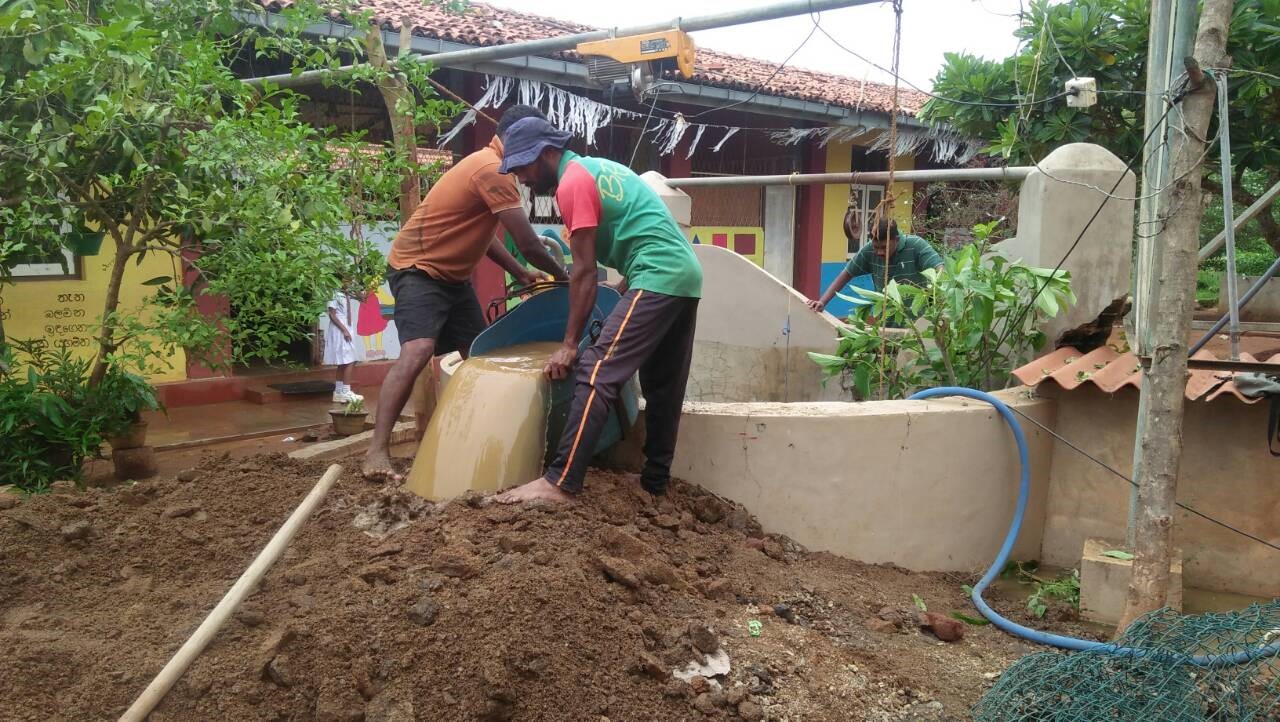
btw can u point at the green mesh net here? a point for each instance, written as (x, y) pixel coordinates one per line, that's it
(1163, 685)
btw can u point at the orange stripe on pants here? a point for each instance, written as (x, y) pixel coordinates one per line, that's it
(592, 397)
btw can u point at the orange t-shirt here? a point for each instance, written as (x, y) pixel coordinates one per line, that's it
(451, 229)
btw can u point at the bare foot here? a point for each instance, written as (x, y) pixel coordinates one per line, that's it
(538, 489)
(378, 467)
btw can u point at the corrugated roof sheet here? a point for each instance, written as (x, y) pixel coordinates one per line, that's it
(1111, 371)
(484, 25)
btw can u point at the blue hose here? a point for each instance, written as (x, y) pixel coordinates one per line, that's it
(1058, 640)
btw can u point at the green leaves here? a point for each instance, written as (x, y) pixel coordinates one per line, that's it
(1118, 554)
(971, 326)
(975, 621)
(136, 101)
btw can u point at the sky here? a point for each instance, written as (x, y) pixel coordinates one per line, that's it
(929, 29)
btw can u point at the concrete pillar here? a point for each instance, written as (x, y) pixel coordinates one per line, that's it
(779, 231)
(1055, 203)
(807, 260)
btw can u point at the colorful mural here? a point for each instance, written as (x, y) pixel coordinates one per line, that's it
(746, 241)
(377, 332)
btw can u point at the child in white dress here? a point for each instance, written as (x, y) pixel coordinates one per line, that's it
(339, 345)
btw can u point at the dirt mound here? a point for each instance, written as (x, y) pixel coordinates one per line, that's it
(621, 607)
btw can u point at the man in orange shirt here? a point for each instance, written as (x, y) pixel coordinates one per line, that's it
(430, 267)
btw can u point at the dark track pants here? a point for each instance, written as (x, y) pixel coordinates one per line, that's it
(649, 333)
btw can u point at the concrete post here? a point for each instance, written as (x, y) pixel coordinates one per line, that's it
(1056, 201)
(780, 231)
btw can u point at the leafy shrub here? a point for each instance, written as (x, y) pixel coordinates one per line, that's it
(971, 326)
(48, 417)
(1248, 263)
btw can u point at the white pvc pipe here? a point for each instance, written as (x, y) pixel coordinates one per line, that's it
(205, 633)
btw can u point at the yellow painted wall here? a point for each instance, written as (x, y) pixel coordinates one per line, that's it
(902, 194)
(704, 235)
(836, 201)
(67, 310)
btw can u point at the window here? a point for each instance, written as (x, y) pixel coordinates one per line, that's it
(863, 200)
(53, 265)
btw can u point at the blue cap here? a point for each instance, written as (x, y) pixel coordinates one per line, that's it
(525, 141)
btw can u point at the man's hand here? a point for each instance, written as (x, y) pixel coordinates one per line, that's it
(529, 278)
(560, 365)
(347, 335)
(818, 306)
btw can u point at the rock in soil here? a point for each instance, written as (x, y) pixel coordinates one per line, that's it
(424, 613)
(704, 640)
(181, 510)
(619, 570)
(883, 626)
(942, 626)
(650, 665)
(750, 711)
(704, 704)
(187, 476)
(76, 531)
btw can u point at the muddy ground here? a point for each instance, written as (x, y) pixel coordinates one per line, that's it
(386, 608)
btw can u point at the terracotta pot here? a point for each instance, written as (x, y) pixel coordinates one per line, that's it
(135, 437)
(135, 463)
(345, 424)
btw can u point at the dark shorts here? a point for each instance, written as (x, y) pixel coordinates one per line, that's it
(430, 308)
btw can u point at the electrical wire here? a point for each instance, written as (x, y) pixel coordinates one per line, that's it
(1048, 26)
(982, 103)
(645, 129)
(768, 80)
(1022, 314)
(1133, 483)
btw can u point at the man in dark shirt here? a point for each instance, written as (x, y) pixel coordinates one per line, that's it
(906, 255)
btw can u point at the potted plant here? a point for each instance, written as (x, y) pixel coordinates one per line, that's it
(121, 398)
(349, 419)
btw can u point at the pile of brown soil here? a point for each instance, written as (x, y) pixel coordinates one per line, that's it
(387, 608)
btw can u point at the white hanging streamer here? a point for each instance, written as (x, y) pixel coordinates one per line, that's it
(584, 117)
(732, 132)
(467, 119)
(694, 145)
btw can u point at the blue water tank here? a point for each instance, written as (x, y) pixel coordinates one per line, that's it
(543, 317)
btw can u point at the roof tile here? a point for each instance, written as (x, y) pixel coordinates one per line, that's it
(484, 25)
(1110, 371)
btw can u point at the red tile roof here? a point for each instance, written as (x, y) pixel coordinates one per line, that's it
(487, 25)
(1111, 371)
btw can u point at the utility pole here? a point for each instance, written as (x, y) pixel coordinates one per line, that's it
(1166, 322)
(1169, 40)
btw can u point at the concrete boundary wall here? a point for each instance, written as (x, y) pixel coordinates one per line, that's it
(754, 336)
(926, 485)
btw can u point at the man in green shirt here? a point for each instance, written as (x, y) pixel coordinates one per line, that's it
(908, 256)
(615, 219)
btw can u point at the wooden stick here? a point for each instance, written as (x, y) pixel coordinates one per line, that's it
(205, 633)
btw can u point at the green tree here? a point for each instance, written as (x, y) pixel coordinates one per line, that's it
(123, 116)
(1107, 40)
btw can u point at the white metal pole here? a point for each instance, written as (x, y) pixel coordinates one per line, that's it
(1264, 201)
(1228, 213)
(803, 179)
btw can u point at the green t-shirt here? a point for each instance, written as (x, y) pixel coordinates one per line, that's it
(913, 256)
(635, 233)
